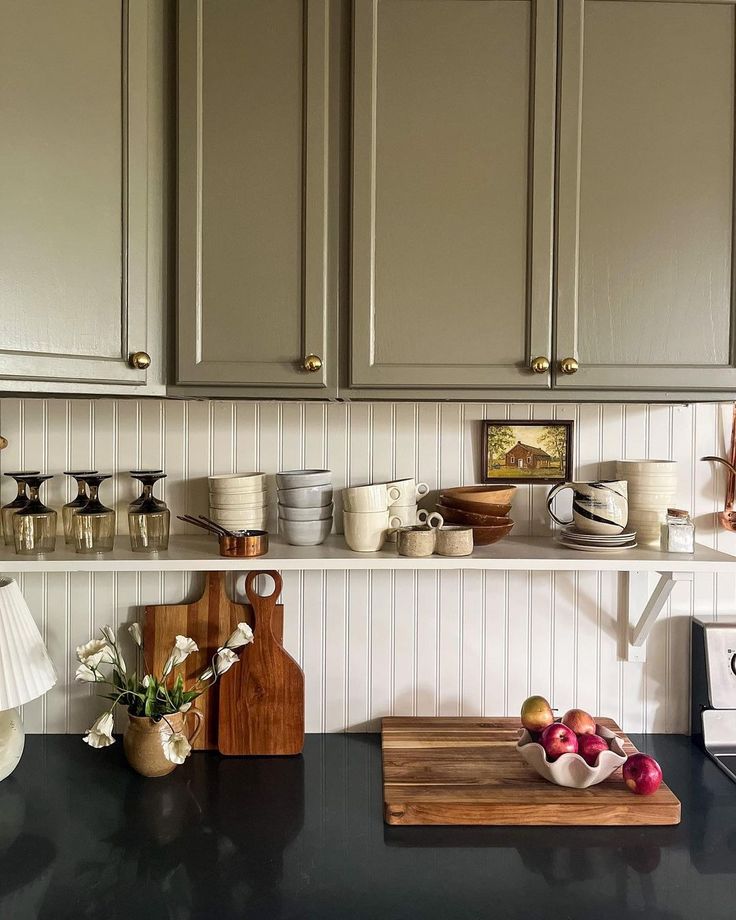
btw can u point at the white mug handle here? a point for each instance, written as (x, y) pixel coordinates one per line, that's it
(432, 519)
(551, 497)
(394, 524)
(393, 493)
(422, 489)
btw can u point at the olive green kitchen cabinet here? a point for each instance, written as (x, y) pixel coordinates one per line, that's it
(256, 305)
(80, 242)
(645, 297)
(452, 208)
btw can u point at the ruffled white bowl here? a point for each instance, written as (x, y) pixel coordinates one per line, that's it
(570, 769)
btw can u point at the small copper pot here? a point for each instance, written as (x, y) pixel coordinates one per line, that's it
(252, 543)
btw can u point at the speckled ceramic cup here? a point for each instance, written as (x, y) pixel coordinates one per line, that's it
(454, 541)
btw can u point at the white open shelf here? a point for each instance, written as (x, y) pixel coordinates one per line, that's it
(200, 554)
(636, 618)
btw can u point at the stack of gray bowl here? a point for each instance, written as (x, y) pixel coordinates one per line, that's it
(305, 506)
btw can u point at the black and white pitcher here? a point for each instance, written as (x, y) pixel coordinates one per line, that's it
(597, 507)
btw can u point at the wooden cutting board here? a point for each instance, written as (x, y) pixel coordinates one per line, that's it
(262, 697)
(468, 771)
(207, 621)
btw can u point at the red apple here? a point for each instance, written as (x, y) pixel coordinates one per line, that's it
(536, 714)
(590, 746)
(580, 721)
(558, 739)
(642, 774)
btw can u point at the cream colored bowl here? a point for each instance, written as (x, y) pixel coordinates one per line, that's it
(238, 482)
(238, 500)
(570, 769)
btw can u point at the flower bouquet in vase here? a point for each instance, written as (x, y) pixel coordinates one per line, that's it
(159, 735)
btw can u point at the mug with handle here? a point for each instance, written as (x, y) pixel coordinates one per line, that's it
(597, 507)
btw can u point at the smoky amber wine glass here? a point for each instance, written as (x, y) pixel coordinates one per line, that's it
(20, 501)
(70, 508)
(148, 517)
(94, 524)
(34, 526)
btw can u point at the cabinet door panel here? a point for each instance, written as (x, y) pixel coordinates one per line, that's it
(453, 129)
(73, 189)
(646, 194)
(253, 145)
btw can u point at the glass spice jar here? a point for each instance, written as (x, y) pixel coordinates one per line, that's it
(678, 532)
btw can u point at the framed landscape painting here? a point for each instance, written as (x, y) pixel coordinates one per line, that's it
(527, 452)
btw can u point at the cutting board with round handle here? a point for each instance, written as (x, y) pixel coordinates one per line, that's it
(209, 621)
(261, 703)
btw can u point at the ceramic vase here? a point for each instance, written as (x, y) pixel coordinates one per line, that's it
(142, 740)
(652, 489)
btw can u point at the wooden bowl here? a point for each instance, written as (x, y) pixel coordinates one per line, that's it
(458, 516)
(484, 536)
(450, 500)
(495, 495)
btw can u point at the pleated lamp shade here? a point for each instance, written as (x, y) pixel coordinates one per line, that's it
(26, 671)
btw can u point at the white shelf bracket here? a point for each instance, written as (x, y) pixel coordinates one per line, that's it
(641, 608)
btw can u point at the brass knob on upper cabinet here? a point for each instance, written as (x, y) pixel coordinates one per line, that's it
(312, 363)
(140, 360)
(540, 365)
(569, 366)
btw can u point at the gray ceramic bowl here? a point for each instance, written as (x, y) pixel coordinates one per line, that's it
(297, 479)
(305, 514)
(306, 497)
(305, 533)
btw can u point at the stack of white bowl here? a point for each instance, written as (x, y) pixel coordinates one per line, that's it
(239, 501)
(652, 485)
(305, 506)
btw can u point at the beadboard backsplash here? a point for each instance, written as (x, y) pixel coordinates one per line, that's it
(380, 643)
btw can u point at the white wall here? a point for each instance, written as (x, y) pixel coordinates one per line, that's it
(386, 643)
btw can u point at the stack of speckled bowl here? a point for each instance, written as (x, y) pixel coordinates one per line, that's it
(239, 501)
(305, 506)
(484, 508)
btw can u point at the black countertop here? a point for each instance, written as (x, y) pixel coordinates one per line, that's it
(82, 836)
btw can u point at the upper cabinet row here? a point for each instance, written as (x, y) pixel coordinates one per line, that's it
(385, 198)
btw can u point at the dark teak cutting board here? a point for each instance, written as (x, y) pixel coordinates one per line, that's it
(459, 770)
(262, 697)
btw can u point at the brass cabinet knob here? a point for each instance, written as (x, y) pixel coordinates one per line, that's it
(569, 366)
(140, 360)
(312, 363)
(540, 365)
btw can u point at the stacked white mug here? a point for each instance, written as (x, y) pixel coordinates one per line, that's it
(652, 488)
(238, 501)
(372, 512)
(403, 506)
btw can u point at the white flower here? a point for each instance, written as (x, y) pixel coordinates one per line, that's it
(85, 672)
(135, 631)
(93, 652)
(185, 707)
(183, 647)
(242, 636)
(100, 735)
(176, 747)
(109, 634)
(224, 660)
(146, 681)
